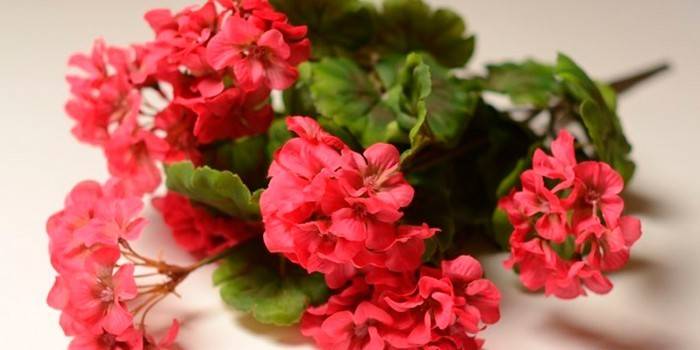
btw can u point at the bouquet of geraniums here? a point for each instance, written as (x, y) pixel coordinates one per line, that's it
(334, 162)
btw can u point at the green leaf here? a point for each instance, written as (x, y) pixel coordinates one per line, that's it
(221, 190)
(414, 87)
(436, 107)
(527, 83)
(432, 204)
(599, 117)
(501, 228)
(566, 249)
(410, 25)
(414, 102)
(251, 281)
(245, 156)
(492, 147)
(333, 25)
(277, 135)
(343, 92)
(297, 100)
(513, 178)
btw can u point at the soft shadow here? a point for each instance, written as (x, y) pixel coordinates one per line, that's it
(645, 339)
(638, 203)
(289, 336)
(654, 274)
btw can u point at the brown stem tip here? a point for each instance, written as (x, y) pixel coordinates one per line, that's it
(623, 84)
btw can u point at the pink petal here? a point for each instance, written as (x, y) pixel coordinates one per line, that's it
(274, 41)
(124, 283)
(444, 315)
(462, 268)
(380, 235)
(382, 156)
(420, 334)
(367, 311)
(59, 295)
(238, 31)
(612, 207)
(280, 75)
(339, 325)
(376, 342)
(484, 295)
(631, 229)
(210, 87)
(117, 319)
(170, 336)
(563, 148)
(345, 224)
(221, 53)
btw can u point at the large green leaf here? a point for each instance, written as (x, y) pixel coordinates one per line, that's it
(599, 117)
(252, 280)
(432, 204)
(490, 157)
(335, 26)
(410, 25)
(221, 190)
(410, 100)
(343, 92)
(527, 83)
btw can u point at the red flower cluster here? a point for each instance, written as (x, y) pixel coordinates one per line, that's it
(210, 70)
(444, 309)
(335, 211)
(568, 223)
(93, 289)
(199, 232)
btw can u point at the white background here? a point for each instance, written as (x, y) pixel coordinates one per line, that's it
(654, 304)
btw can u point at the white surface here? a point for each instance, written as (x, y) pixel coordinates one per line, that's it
(654, 304)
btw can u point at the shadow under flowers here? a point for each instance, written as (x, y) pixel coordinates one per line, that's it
(284, 335)
(644, 339)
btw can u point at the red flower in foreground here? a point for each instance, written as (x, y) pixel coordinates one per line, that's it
(335, 211)
(568, 223)
(232, 114)
(443, 309)
(199, 232)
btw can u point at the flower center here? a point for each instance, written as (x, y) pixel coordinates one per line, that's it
(255, 51)
(591, 196)
(108, 341)
(361, 331)
(107, 295)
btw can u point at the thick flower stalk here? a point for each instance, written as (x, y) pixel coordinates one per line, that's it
(568, 227)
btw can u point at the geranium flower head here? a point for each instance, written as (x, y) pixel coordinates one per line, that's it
(258, 55)
(336, 211)
(578, 232)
